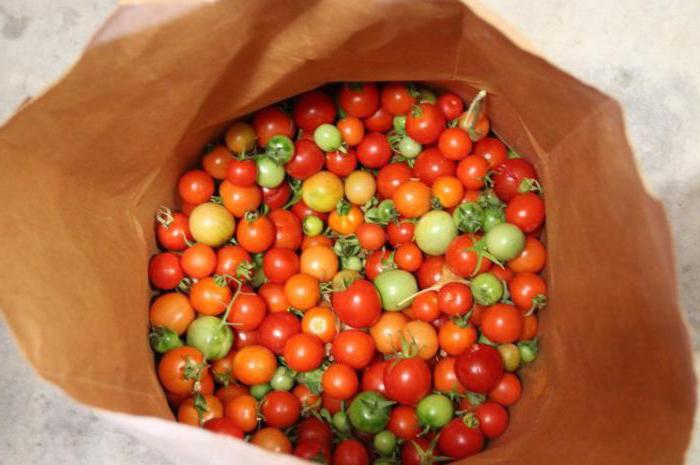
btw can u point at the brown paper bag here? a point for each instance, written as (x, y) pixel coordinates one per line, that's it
(85, 166)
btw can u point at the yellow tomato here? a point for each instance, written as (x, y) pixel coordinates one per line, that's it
(211, 224)
(360, 187)
(322, 191)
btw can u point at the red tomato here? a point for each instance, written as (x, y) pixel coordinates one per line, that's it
(225, 426)
(373, 377)
(408, 257)
(424, 123)
(462, 259)
(417, 452)
(276, 197)
(503, 274)
(507, 391)
(353, 348)
(455, 298)
(371, 236)
(216, 161)
(313, 429)
(313, 451)
(502, 323)
(352, 130)
(374, 151)
(454, 339)
(472, 172)
(198, 261)
(256, 235)
(430, 272)
(526, 211)
(407, 380)
(350, 452)
(245, 339)
(271, 121)
(493, 419)
(173, 233)
(165, 271)
(331, 404)
(454, 143)
(308, 160)
(479, 368)
(359, 305)
(391, 177)
(304, 352)
(403, 422)
(400, 233)
(379, 121)
(301, 210)
(247, 311)
(397, 99)
(339, 381)
(288, 232)
(528, 291)
(229, 258)
(313, 109)
(431, 164)
(174, 367)
(531, 259)
(241, 172)
(451, 105)
(276, 329)
(195, 187)
(492, 150)
(509, 177)
(280, 264)
(273, 295)
(458, 440)
(341, 163)
(359, 99)
(280, 409)
(425, 306)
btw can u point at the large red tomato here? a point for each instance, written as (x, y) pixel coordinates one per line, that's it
(407, 380)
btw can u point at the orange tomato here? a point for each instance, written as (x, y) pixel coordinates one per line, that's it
(215, 162)
(310, 241)
(272, 439)
(319, 261)
(239, 200)
(531, 259)
(445, 378)
(254, 365)
(303, 291)
(423, 335)
(173, 311)
(173, 367)
(187, 412)
(352, 130)
(227, 393)
(455, 340)
(222, 369)
(412, 199)
(321, 322)
(529, 328)
(448, 190)
(340, 381)
(387, 331)
(345, 219)
(274, 297)
(243, 410)
(209, 297)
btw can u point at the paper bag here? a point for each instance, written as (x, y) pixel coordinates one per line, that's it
(85, 166)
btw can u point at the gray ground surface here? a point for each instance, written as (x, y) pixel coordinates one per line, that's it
(646, 54)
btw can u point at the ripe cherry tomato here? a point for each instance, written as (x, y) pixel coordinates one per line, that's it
(454, 143)
(425, 306)
(174, 234)
(280, 264)
(444, 376)
(407, 380)
(352, 130)
(493, 419)
(272, 439)
(273, 295)
(245, 339)
(379, 121)
(340, 381)
(280, 409)
(424, 123)
(526, 211)
(531, 259)
(238, 200)
(529, 328)
(431, 164)
(359, 305)
(229, 258)
(492, 150)
(454, 339)
(347, 222)
(403, 422)
(374, 151)
(276, 329)
(448, 190)
(424, 337)
(390, 177)
(188, 414)
(241, 172)
(271, 121)
(210, 296)
(243, 411)
(179, 369)
(462, 259)
(455, 298)
(341, 163)
(412, 199)
(502, 323)
(302, 291)
(313, 429)
(308, 160)
(472, 172)
(479, 368)
(216, 162)
(165, 271)
(224, 426)
(198, 261)
(396, 98)
(256, 235)
(417, 452)
(304, 352)
(451, 105)
(240, 137)
(371, 236)
(430, 272)
(387, 332)
(173, 311)
(195, 187)
(312, 109)
(254, 364)
(408, 257)
(528, 291)
(319, 261)
(509, 177)
(373, 377)
(400, 233)
(313, 450)
(321, 322)
(276, 197)
(350, 452)
(359, 99)
(288, 232)
(458, 440)
(247, 311)
(227, 393)
(507, 391)
(353, 348)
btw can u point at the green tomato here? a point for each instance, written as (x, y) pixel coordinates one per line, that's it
(492, 216)
(505, 241)
(341, 422)
(260, 390)
(395, 287)
(486, 289)
(258, 277)
(434, 232)
(163, 339)
(511, 356)
(468, 217)
(280, 148)
(369, 412)
(351, 263)
(270, 173)
(281, 380)
(322, 191)
(409, 148)
(385, 442)
(400, 124)
(528, 350)
(435, 410)
(210, 336)
(426, 95)
(484, 340)
(313, 225)
(328, 137)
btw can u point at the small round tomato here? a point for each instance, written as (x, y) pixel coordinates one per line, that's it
(448, 190)
(304, 352)
(256, 235)
(455, 298)
(359, 99)
(479, 368)
(276, 329)
(387, 331)
(272, 121)
(508, 390)
(230, 258)
(359, 305)
(493, 419)
(345, 219)
(425, 307)
(450, 104)
(417, 452)
(246, 338)
(529, 328)
(390, 177)
(320, 321)
(360, 187)
(198, 261)
(424, 337)
(313, 429)
(435, 410)
(472, 172)
(350, 452)
(180, 368)
(319, 261)
(408, 257)
(276, 197)
(308, 160)
(247, 311)
(216, 162)
(431, 271)
(243, 411)
(397, 98)
(165, 271)
(173, 311)
(510, 176)
(463, 259)
(254, 364)
(312, 109)
(280, 264)
(403, 422)
(454, 143)
(454, 339)
(431, 164)
(288, 232)
(379, 121)
(211, 224)
(272, 439)
(341, 163)
(238, 199)
(374, 151)
(224, 426)
(353, 348)
(240, 137)
(340, 381)
(526, 211)
(502, 323)
(371, 236)
(322, 191)
(231, 391)
(313, 450)
(210, 296)
(531, 259)
(195, 187)
(412, 199)
(425, 122)
(459, 440)
(189, 414)
(173, 230)
(400, 232)
(373, 377)
(352, 130)
(407, 380)
(241, 172)
(280, 409)
(444, 377)
(528, 291)
(273, 295)
(492, 150)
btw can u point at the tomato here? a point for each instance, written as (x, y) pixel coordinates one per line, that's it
(407, 380)
(340, 381)
(360, 187)
(379, 121)
(216, 162)
(224, 426)
(320, 321)
(171, 310)
(526, 211)
(528, 291)
(502, 323)
(463, 260)
(435, 410)
(387, 332)
(322, 191)
(400, 233)
(492, 150)
(271, 121)
(210, 296)
(371, 236)
(246, 338)
(173, 231)
(529, 328)
(431, 271)
(505, 241)
(412, 199)
(359, 305)
(195, 187)
(302, 291)
(273, 295)
(486, 289)
(450, 104)
(385, 442)
(280, 264)
(479, 368)
(345, 219)
(350, 452)
(454, 143)
(312, 109)
(509, 176)
(308, 160)
(211, 224)
(353, 348)
(448, 190)
(431, 164)
(403, 422)
(243, 411)
(230, 392)
(373, 377)
(210, 336)
(369, 412)
(187, 412)
(359, 99)
(238, 199)
(332, 404)
(254, 364)
(424, 337)
(288, 233)
(396, 287)
(503, 274)
(396, 98)
(229, 258)
(352, 130)
(458, 440)
(240, 137)
(435, 231)
(493, 419)
(222, 368)
(417, 452)
(455, 339)
(508, 390)
(180, 368)
(241, 173)
(256, 235)
(198, 261)
(313, 451)
(454, 298)
(313, 429)
(425, 306)
(340, 163)
(247, 312)
(272, 439)
(408, 257)
(280, 409)
(444, 376)
(165, 271)
(390, 177)
(374, 151)
(276, 329)
(424, 123)
(531, 259)
(276, 197)
(472, 172)
(304, 352)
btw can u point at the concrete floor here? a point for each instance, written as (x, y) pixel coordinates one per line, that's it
(646, 54)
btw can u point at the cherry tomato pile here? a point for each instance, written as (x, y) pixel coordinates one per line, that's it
(353, 277)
